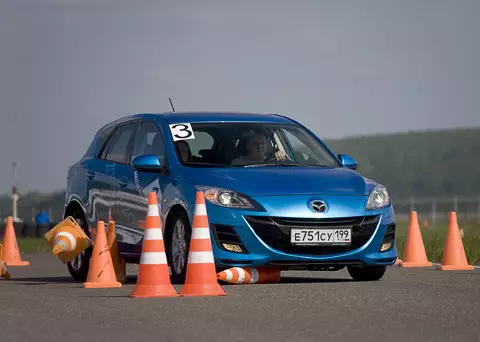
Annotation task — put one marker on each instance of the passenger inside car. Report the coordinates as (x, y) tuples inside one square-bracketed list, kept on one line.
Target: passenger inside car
[(184, 150)]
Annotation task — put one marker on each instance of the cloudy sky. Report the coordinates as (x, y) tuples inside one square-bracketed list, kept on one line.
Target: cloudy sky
[(341, 67)]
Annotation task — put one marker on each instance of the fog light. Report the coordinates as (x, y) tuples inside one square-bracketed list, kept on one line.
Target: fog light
[(386, 246), (232, 247)]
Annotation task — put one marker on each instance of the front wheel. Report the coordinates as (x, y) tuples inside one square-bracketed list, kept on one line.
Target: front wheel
[(371, 273), (178, 242), (78, 267)]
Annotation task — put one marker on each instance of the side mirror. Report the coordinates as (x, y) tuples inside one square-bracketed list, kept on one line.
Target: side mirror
[(348, 161), (148, 163)]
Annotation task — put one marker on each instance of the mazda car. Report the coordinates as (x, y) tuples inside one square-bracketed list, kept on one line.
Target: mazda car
[(276, 194)]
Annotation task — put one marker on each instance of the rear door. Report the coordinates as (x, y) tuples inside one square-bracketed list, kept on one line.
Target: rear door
[(114, 156), (132, 200), (97, 180)]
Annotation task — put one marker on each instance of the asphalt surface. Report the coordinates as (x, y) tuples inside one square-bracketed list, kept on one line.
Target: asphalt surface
[(42, 303)]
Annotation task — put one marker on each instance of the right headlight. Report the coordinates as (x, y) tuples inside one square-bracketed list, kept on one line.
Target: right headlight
[(378, 198), (227, 198)]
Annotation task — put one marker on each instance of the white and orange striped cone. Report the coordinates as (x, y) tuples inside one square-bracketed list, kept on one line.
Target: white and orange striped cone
[(153, 278), (250, 275), (201, 277), (68, 239)]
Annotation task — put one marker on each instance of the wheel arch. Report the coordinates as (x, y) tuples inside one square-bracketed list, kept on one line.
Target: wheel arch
[(73, 205)]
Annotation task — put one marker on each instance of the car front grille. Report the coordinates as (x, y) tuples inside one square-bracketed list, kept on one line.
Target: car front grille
[(275, 232)]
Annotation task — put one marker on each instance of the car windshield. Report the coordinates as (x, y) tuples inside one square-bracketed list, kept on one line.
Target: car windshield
[(237, 144)]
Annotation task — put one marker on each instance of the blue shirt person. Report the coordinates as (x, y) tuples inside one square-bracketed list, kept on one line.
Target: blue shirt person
[(42, 217)]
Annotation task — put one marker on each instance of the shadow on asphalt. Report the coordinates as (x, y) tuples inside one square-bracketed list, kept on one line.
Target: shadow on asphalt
[(132, 280)]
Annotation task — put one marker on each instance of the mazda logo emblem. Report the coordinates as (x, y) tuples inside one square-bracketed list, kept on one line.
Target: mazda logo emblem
[(318, 206)]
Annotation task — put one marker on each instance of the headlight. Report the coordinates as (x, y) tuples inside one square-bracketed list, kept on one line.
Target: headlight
[(226, 198), (378, 198)]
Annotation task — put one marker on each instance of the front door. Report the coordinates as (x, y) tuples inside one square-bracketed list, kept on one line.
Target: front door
[(132, 199)]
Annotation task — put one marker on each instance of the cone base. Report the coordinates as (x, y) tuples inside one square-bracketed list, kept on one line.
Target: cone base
[(93, 285), (415, 264), (455, 268), (150, 291), (202, 290), (17, 263)]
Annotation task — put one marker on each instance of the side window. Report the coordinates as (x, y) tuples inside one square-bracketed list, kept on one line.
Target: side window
[(117, 148), (97, 144), (149, 140)]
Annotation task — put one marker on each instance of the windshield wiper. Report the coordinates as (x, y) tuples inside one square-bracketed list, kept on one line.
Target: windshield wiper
[(272, 164)]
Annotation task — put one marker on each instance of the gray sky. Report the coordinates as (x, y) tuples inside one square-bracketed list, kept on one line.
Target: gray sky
[(341, 67)]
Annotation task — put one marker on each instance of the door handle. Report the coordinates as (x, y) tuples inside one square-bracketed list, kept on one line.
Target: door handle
[(90, 174), (123, 182)]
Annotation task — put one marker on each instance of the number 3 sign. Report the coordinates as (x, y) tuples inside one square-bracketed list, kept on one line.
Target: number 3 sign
[(182, 131)]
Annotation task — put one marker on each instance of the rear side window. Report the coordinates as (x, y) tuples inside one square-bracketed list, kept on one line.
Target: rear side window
[(97, 144), (117, 148)]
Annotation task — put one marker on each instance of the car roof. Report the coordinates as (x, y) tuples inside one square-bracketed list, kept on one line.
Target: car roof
[(191, 117)]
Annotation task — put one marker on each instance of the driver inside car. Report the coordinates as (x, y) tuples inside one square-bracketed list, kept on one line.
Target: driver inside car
[(255, 144)]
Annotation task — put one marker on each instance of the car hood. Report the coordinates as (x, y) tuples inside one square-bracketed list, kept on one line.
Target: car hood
[(285, 180)]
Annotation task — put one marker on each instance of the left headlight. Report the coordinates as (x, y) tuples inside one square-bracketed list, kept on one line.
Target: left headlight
[(378, 198), (227, 198)]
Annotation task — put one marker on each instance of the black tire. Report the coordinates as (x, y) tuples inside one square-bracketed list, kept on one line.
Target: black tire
[(81, 273), (372, 273), (178, 277)]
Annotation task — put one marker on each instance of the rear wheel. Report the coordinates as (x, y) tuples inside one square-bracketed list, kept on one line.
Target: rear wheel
[(78, 267), (371, 273), (178, 245)]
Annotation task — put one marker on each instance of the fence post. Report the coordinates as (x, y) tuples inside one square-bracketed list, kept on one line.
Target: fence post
[(412, 203), (455, 204)]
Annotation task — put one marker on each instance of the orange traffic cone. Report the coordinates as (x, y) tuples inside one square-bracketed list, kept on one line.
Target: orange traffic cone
[(250, 275), (415, 254), (101, 273), (11, 254), (153, 278), (118, 264), (454, 258), (201, 278), (68, 239), (3, 268)]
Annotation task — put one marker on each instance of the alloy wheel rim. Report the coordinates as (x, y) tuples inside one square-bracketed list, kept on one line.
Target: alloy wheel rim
[(179, 247)]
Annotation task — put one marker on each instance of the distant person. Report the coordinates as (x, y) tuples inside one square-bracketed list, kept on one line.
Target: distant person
[(42, 219)]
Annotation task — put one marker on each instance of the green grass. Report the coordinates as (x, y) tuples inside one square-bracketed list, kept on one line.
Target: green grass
[(33, 245), (434, 240)]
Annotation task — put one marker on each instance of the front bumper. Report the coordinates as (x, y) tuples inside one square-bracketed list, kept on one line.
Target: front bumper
[(262, 238)]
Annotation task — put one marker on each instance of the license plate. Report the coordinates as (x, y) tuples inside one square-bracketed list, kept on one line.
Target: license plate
[(325, 237)]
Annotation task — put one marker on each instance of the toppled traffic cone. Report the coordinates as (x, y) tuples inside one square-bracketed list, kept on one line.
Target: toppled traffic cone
[(3, 268), (153, 278), (118, 264), (454, 258), (68, 239), (415, 254), (11, 253), (201, 277), (101, 273), (250, 275)]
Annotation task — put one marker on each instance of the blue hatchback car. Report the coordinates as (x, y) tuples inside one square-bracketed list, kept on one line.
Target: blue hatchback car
[(276, 195)]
